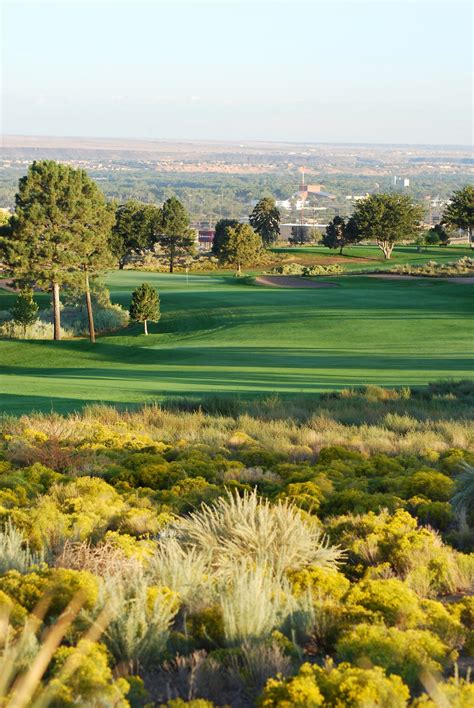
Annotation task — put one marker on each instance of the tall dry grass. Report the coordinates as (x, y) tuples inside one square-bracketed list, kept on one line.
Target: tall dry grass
[(297, 429)]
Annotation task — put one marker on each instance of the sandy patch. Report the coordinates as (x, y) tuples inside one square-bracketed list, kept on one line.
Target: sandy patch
[(291, 281), (6, 284)]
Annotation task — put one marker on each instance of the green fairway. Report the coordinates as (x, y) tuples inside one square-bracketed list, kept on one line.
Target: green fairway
[(219, 335), (366, 258)]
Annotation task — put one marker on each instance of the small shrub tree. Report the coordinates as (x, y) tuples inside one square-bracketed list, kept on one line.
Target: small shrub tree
[(387, 219), (25, 310), (243, 247), (145, 305)]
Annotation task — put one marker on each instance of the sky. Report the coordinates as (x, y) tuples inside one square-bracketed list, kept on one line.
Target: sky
[(316, 71)]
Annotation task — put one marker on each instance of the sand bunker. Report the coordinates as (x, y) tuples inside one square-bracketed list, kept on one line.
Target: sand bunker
[(290, 281)]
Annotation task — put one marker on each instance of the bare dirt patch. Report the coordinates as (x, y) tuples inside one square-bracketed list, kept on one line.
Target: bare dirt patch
[(285, 281), (6, 284)]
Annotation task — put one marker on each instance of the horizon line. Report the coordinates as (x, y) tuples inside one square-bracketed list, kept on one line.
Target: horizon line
[(233, 141)]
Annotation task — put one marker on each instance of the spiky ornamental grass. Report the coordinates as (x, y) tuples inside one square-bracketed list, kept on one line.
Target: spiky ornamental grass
[(254, 603), (141, 619), (463, 500), (275, 536), (186, 571), (15, 553)]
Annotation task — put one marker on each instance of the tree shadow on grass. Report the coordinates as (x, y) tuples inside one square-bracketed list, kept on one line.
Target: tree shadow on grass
[(18, 404)]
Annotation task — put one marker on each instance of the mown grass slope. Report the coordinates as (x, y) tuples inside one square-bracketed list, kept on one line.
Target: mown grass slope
[(218, 335), (365, 258)]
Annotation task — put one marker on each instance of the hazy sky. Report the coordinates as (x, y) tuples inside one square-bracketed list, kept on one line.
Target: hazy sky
[(320, 70)]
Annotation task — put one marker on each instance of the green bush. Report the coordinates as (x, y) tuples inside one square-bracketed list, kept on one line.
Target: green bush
[(409, 654), (387, 601), (82, 675), (342, 685), (430, 483)]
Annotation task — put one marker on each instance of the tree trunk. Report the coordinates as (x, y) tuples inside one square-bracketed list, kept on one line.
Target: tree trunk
[(90, 314), (145, 326), (469, 232), (387, 249), (340, 250), (56, 311), (239, 269)]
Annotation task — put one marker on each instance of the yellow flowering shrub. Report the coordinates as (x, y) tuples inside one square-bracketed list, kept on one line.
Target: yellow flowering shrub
[(407, 653), (337, 686), (389, 601), (57, 585), (325, 584), (90, 683), (454, 693)]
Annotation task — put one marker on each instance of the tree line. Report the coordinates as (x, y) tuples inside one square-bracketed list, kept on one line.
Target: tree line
[(391, 218), (64, 233)]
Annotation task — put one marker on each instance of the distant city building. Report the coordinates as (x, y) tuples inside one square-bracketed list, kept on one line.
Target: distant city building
[(205, 237), (283, 203), (313, 190), (400, 182)]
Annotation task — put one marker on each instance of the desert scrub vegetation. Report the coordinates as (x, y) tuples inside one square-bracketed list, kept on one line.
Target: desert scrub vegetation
[(305, 270), (286, 553), (462, 267)]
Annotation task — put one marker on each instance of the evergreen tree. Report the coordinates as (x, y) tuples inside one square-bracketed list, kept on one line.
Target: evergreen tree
[(59, 213), (145, 305), (386, 219), (459, 213), (340, 233), (265, 220), (242, 247), (301, 234), (220, 236), (25, 310), (437, 236), (175, 236), (136, 226), (93, 250)]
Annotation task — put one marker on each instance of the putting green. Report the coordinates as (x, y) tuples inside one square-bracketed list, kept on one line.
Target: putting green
[(221, 336)]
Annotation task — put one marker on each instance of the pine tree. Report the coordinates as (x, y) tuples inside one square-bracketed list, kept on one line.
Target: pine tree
[(25, 310), (221, 236), (136, 226), (301, 234), (175, 236), (60, 219), (93, 246), (145, 305), (265, 220), (340, 233)]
